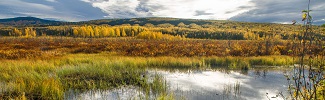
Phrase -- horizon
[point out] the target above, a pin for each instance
(50, 19)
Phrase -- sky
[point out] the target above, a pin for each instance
(271, 11)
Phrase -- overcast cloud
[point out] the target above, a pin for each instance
(275, 11)
(196, 9)
(282, 11)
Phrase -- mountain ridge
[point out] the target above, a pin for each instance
(23, 21)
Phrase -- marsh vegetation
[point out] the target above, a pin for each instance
(71, 60)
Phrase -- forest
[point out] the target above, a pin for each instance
(197, 29)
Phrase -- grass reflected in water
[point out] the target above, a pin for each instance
(52, 78)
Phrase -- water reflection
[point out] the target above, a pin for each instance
(254, 84)
(123, 93)
(210, 85)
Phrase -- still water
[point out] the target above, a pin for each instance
(256, 84)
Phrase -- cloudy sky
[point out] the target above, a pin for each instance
(275, 11)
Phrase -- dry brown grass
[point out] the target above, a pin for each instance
(47, 47)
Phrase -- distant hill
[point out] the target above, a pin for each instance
(33, 21)
(23, 21)
(151, 20)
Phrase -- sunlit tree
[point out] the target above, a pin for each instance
(118, 32)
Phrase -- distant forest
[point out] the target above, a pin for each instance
(185, 28)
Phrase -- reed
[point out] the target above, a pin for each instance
(248, 62)
(50, 78)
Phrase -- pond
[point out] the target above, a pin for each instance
(221, 84)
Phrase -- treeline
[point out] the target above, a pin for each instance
(106, 31)
(232, 31)
(26, 32)
(86, 31)
(219, 30)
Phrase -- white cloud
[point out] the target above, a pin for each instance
(210, 9)
(51, 0)
(66, 10)
(21, 5)
(119, 8)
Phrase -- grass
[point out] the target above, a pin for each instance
(48, 47)
(45, 67)
(248, 62)
(50, 78)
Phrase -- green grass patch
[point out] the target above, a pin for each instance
(248, 62)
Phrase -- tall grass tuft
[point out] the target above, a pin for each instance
(248, 62)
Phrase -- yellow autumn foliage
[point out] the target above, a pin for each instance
(157, 35)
